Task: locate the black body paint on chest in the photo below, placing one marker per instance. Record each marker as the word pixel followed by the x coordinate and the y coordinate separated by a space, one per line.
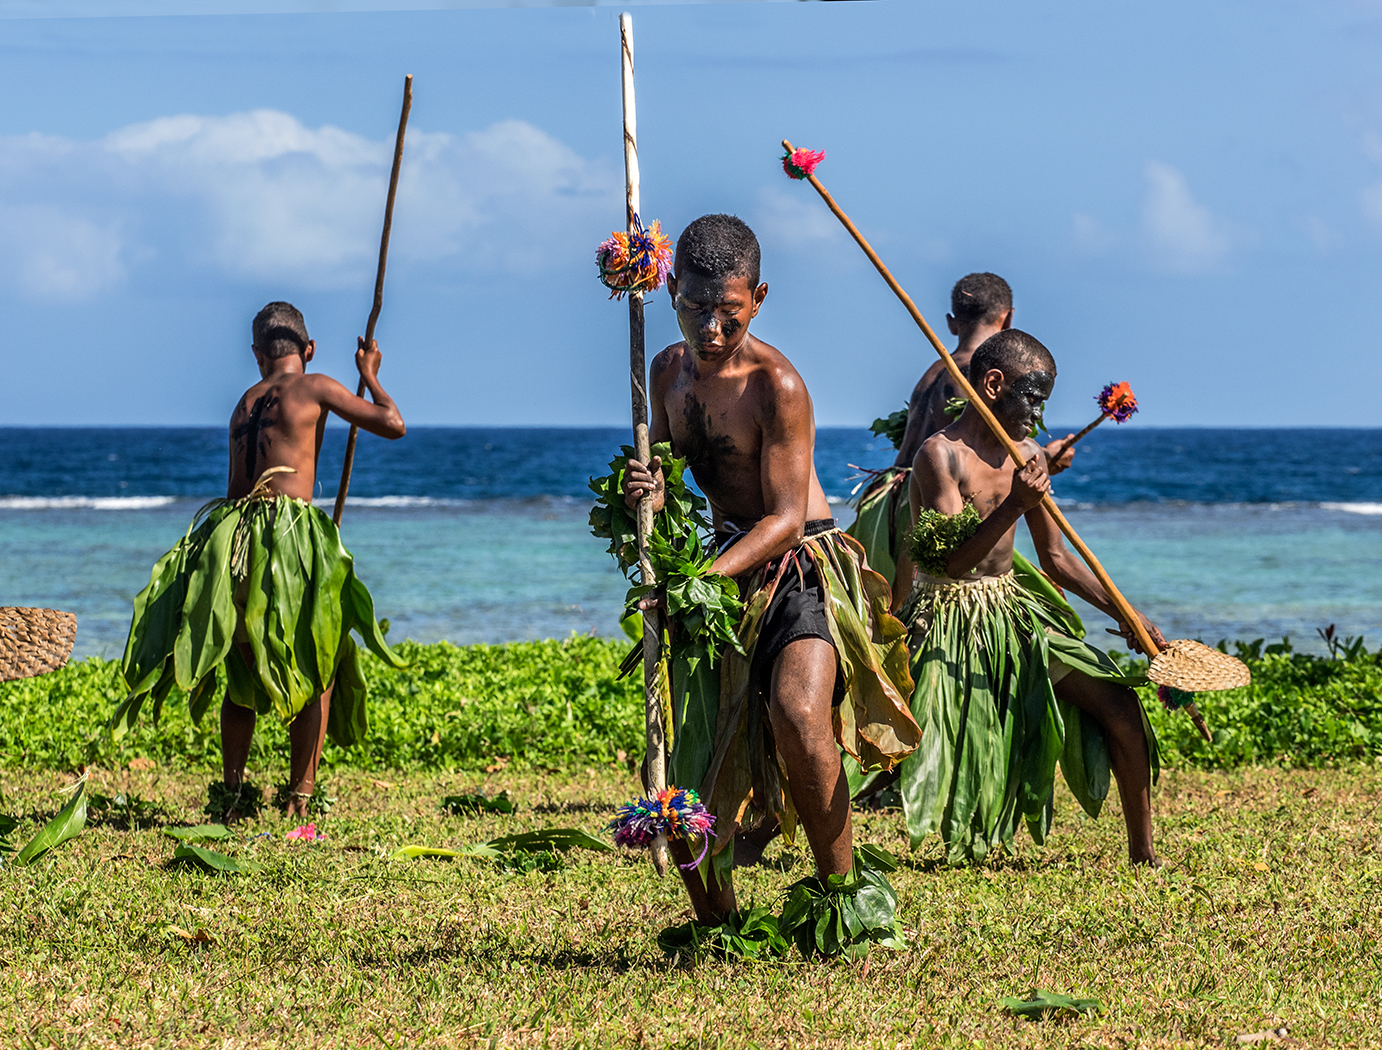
pixel 249 436
pixel 704 450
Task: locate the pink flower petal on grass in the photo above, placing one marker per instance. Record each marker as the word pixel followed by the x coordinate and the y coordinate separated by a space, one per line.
pixel 305 833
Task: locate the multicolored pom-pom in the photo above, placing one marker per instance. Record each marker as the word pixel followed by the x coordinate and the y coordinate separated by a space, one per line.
pixel 635 262
pixel 1117 400
pixel 802 163
pixel 675 812
pixel 1173 699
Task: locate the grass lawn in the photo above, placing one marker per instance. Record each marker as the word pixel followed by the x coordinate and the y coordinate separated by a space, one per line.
pixel 1267 913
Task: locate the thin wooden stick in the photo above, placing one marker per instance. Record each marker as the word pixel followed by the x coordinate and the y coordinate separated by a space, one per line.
pixel 1125 610
pixel 349 462
pixel 1066 446
pixel 652 628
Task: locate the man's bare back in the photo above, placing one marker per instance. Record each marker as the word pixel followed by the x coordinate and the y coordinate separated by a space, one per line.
pixel 280 420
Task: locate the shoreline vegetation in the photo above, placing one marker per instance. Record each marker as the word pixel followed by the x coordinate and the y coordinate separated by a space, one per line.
pixel 558 704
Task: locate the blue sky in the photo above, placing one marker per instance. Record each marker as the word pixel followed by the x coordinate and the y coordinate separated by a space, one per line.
pixel 1187 196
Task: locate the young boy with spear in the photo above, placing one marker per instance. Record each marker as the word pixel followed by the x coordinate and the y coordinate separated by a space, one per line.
pixel 1003 690
pixel 985 765
pixel 822 665
pixel 261 582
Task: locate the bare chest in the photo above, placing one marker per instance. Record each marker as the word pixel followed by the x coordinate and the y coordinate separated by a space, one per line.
pixel 718 435
pixel 985 486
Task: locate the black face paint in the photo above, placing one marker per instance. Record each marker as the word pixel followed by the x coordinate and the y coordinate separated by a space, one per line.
pixel 1024 400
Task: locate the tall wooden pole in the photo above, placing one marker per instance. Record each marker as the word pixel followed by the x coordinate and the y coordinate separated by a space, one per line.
pixel 349 462
pixel 652 629
pixel 1125 610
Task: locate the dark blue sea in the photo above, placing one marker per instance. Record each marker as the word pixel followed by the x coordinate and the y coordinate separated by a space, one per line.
pixel 479 534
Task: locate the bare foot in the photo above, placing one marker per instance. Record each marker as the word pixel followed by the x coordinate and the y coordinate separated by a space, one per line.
pixel 750 843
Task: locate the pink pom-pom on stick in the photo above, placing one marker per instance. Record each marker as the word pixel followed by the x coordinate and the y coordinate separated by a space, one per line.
pixel 802 163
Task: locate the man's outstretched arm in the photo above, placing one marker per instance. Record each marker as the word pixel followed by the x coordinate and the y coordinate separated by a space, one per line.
pixel 380 417
pixel 1068 571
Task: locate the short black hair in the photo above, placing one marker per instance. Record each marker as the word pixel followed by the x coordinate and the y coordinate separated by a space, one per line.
pixel 980 297
pixel 1011 352
pixel 719 246
pixel 280 331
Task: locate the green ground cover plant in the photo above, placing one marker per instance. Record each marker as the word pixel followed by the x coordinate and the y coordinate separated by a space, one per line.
pixel 559 704
pixel 1267 914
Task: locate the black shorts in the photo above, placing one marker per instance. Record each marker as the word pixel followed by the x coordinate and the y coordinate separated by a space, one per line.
pixel 796 611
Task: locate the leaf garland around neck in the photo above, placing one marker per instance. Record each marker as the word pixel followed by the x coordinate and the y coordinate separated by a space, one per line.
pixel 936 536
pixel 704 604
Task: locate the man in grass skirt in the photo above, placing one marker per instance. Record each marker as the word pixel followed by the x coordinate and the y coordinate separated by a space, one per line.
pixel 824 663
pixel 1005 687
pixel 261 584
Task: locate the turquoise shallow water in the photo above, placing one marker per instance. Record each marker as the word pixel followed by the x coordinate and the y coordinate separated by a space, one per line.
pixel 481 535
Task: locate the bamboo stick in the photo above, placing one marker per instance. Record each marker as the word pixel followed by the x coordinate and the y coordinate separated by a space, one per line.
pixel 652 628
pixel 349 461
pixel 1125 610
pixel 1066 446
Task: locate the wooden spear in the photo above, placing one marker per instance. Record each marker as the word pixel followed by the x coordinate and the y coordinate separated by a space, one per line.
pixel 652 628
pixel 349 462
pixel 1125 610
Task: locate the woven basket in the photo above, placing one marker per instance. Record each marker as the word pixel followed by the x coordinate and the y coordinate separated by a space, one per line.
pixel 34 641
pixel 1196 668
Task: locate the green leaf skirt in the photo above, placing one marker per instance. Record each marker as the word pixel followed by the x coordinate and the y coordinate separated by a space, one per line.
pixel 723 743
pixel 984 652
pixel 261 590
pixel 883 518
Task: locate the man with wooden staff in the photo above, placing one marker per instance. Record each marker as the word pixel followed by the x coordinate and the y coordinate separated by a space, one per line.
pixel 824 666
pixel 261 584
pixel 1004 686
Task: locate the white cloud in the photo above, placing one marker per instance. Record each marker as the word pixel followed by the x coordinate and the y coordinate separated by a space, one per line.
pixel 53 255
pixel 260 196
pixel 794 219
pixel 1183 234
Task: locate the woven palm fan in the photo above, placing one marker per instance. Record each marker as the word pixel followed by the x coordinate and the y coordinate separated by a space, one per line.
pixel 1193 667
pixel 1183 666
pixel 34 641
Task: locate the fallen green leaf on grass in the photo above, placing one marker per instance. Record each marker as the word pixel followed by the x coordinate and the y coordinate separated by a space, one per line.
pixel 409 852
pixel 550 841
pixel 1038 1002
pixel 210 860
pixel 69 821
pixel 7 826
pixel 478 802
pixel 200 833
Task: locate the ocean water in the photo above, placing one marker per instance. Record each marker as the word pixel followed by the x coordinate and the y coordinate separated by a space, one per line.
pixel 480 534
